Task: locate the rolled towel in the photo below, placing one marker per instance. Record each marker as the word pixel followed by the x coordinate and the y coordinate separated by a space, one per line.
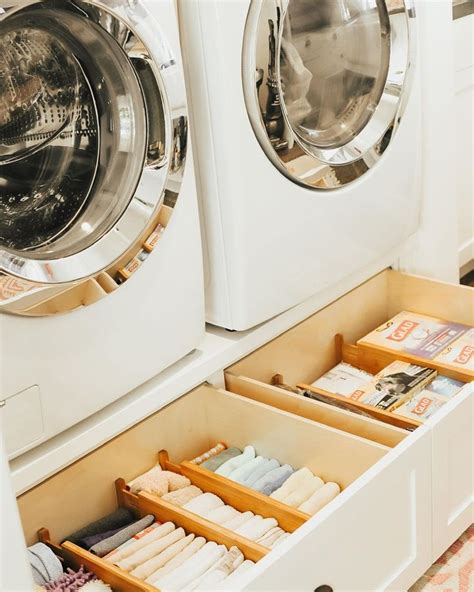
pixel 182 496
pixel 146 569
pixel 292 483
pixel 118 519
pixel 45 566
pixel 222 514
pixel 239 475
pixel 280 539
pixel 234 463
pixel 273 480
pixel 216 461
pixel 231 580
pixel 194 567
pixel 320 498
pixel 260 471
pixel 304 492
pixel 177 561
pixel 151 550
pixel 256 527
pixel 203 504
pixel 214 451
pixel 107 545
pixel 270 537
pixel 238 521
pixel 158 482
pixel 90 541
pixel 139 542
pixel 228 563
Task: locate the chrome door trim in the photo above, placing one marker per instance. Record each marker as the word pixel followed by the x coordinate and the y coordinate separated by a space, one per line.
pixel 347 163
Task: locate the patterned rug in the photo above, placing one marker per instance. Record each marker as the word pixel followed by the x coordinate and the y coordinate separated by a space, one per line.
pixel 453 571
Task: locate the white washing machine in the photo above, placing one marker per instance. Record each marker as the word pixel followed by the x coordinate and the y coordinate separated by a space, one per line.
pixel 101 285
pixel 306 121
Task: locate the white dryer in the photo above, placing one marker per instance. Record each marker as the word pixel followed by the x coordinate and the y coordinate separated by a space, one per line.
pixel 101 280
pixel 306 121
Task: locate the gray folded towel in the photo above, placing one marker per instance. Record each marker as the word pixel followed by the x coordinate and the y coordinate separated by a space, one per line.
pixel 216 461
pixel 272 480
pixel 119 518
pixel 45 566
pixel 107 545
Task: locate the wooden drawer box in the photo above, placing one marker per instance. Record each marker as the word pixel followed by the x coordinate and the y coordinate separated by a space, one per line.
pixel 308 350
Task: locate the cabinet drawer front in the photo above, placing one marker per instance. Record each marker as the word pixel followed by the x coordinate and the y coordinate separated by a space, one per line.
pixel 377 535
pixel 453 470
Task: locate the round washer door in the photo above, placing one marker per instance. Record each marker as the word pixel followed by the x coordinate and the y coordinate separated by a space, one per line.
pixel 92 147
pixel 326 83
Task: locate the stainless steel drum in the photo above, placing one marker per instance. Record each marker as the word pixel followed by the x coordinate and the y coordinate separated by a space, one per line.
pixel 93 135
pixel 326 82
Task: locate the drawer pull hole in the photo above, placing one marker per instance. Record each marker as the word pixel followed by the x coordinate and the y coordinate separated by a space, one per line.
pixel 323 588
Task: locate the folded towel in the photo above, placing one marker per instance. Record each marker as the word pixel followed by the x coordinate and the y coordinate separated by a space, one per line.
pixel 238 520
pixel 151 550
pixel 192 568
pixel 182 496
pixel 216 461
pixel 260 471
pixel 107 545
pixel 45 566
pixel 320 498
pixel 234 463
pixel 214 451
pixel 229 562
pixel 222 514
pixel 256 527
pixel 280 539
pixel 239 475
pixel 158 482
pixel 94 539
pixel 177 561
pixel 119 518
pixel 294 482
pixel 146 569
pixel 270 537
pixel 96 586
pixel 139 542
pixel 304 492
pixel 203 504
pixel 273 480
pixel 234 577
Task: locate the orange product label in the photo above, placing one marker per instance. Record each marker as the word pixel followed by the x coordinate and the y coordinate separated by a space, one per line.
pixel 422 406
pixel 402 331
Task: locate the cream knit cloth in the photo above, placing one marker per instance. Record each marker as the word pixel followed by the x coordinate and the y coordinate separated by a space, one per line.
pixel 182 496
pixel 146 569
pixel 158 482
pixel 234 463
pixel 304 492
pixel 320 498
pixel 203 504
pixel 151 550
pixel 177 561
pixel 292 483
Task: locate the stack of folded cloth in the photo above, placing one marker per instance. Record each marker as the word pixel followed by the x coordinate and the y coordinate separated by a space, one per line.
pixel 300 489
pixel 168 558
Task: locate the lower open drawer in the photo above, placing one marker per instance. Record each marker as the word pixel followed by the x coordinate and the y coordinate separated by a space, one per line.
pixel 384 499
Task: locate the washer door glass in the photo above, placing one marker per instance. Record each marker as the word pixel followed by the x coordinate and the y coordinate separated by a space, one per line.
pixel 324 82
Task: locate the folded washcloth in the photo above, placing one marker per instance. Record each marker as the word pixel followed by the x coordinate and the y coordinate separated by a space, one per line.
pixel 234 577
pixel 273 480
pixel 222 514
pixel 214 451
pixel 139 542
pixel 182 496
pixel 270 537
pixel 320 498
pixel 71 580
pixel 234 463
pixel 151 550
pixel 90 541
pixel 304 492
pixel 238 521
pixel 280 539
pixel 239 475
pixel 96 586
pixel 194 567
pixel 216 461
pixel 118 519
pixel 228 563
pixel 256 527
pixel 178 560
pixel 158 482
pixel 294 482
pixel 45 566
pixel 107 545
pixel 260 471
pixel 146 569
pixel 203 504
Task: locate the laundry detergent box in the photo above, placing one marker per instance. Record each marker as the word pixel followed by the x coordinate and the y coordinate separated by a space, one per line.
pixel 343 380
pixel 426 338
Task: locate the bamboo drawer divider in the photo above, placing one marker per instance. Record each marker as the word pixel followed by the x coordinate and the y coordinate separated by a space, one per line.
pixel 163 511
pixel 75 556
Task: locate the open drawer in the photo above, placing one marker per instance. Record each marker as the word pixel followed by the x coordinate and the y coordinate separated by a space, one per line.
pixel 308 350
pixel 385 492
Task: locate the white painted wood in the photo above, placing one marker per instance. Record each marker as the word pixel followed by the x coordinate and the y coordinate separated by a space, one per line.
pixel 453 469
pixel 376 535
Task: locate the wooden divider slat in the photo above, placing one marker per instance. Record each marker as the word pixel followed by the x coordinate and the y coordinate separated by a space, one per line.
pixel 164 511
pixel 243 499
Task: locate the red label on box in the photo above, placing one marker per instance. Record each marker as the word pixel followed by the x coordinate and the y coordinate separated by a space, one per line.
pixel 402 331
pixel 465 355
pixel 422 405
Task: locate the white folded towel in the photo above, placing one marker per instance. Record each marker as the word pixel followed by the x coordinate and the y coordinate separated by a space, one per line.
pixel 203 504
pixel 270 537
pixel 231 582
pixel 146 569
pixel 320 498
pixel 256 527
pixel 177 561
pixel 126 550
pixel 260 471
pixel 222 514
pixel 292 483
pixel 238 521
pixel 237 461
pixel 303 492
pixel 280 539
pixel 229 562
pixel 240 474
pixel 151 550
